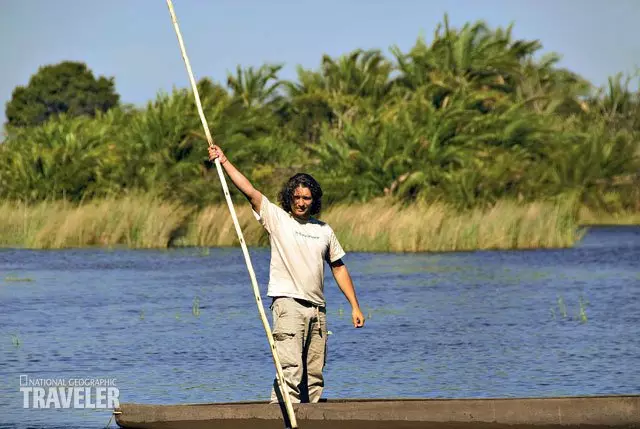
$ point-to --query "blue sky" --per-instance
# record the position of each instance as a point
(134, 40)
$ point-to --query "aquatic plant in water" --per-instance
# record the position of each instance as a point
(195, 307)
(18, 279)
(15, 340)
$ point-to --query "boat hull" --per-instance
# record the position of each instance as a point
(512, 413)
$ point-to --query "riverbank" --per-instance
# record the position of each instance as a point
(589, 217)
(146, 222)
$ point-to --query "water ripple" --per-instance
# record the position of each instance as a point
(471, 324)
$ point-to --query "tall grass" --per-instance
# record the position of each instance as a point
(380, 226)
(144, 221)
(141, 221)
(592, 217)
(213, 227)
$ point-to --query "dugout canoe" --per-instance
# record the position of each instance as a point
(492, 413)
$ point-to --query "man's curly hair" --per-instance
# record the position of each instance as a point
(285, 197)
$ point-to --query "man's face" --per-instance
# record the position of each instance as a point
(301, 203)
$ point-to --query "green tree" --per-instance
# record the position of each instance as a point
(255, 86)
(68, 87)
(470, 118)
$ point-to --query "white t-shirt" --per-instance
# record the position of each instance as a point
(298, 253)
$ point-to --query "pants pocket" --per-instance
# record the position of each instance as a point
(286, 334)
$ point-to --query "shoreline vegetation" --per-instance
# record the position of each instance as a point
(147, 221)
(470, 139)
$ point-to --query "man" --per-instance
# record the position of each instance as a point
(300, 245)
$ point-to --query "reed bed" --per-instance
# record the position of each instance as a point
(132, 221)
(144, 221)
(213, 227)
(591, 217)
(380, 226)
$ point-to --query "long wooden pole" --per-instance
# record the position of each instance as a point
(256, 290)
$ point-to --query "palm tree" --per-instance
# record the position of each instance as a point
(361, 73)
(617, 103)
(255, 86)
(552, 90)
(473, 55)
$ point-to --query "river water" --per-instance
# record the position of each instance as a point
(181, 325)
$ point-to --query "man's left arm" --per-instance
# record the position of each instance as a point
(343, 278)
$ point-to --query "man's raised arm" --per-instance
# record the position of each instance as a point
(242, 183)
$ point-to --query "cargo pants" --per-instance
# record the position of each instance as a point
(300, 336)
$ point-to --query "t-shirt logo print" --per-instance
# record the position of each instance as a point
(315, 237)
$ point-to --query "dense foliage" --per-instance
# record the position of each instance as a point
(470, 118)
(68, 87)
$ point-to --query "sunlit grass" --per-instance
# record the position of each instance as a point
(213, 227)
(591, 217)
(140, 221)
(381, 226)
(144, 221)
